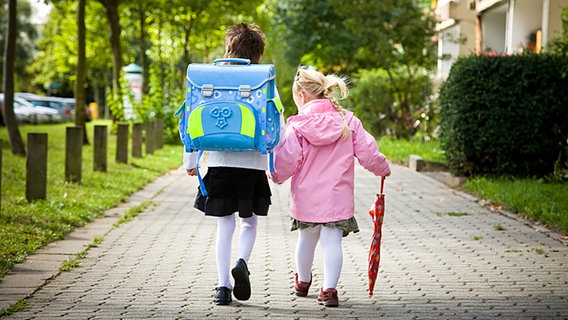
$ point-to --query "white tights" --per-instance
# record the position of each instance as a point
(332, 254)
(223, 245)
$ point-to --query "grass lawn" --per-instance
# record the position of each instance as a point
(536, 199)
(26, 227)
(399, 151)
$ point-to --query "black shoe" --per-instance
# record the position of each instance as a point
(242, 282)
(223, 296)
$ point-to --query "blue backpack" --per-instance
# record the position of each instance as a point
(230, 105)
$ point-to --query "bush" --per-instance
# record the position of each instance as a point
(372, 101)
(397, 106)
(505, 115)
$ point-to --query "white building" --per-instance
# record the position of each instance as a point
(499, 26)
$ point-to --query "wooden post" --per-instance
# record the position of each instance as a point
(122, 143)
(100, 149)
(150, 139)
(137, 140)
(159, 134)
(1, 173)
(36, 166)
(73, 153)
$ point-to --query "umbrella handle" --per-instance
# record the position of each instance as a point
(382, 184)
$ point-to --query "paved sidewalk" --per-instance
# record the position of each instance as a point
(443, 258)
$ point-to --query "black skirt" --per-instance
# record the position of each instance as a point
(231, 190)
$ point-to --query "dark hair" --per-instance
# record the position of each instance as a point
(245, 41)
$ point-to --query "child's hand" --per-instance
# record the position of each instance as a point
(192, 172)
(270, 178)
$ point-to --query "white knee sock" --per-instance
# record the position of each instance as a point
(247, 237)
(332, 256)
(225, 230)
(307, 241)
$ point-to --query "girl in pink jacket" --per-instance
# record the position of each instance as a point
(318, 152)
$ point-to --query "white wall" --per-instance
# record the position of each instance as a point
(527, 19)
(448, 45)
(493, 28)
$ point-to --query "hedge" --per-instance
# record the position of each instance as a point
(505, 115)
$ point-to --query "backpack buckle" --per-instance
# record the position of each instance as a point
(244, 91)
(207, 90)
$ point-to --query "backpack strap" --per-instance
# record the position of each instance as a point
(271, 161)
(278, 104)
(180, 110)
(201, 183)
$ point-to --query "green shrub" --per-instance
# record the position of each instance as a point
(505, 115)
(397, 105)
(372, 100)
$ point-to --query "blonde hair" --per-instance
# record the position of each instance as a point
(319, 86)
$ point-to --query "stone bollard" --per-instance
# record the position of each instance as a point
(122, 143)
(73, 153)
(100, 149)
(137, 140)
(36, 166)
(150, 137)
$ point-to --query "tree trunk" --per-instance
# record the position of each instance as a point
(16, 142)
(81, 82)
(111, 10)
(143, 60)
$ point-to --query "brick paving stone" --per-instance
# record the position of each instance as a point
(442, 258)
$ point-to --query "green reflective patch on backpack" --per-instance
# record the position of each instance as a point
(248, 122)
(195, 127)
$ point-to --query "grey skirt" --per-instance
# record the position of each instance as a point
(347, 226)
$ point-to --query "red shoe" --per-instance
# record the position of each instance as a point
(328, 297)
(301, 288)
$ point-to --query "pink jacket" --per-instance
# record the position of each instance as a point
(321, 163)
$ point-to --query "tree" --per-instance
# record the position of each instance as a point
(16, 142)
(56, 53)
(314, 33)
(155, 31)
(27, 34)
(347, 36)
(81, 81)
(398, 39)
(113, 18)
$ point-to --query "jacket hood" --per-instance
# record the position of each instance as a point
(319, 122)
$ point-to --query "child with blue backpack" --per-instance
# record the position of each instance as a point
(236, 182)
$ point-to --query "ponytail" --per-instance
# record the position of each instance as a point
(318, 86)
(331, 83)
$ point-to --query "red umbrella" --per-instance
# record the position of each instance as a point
(377, 212)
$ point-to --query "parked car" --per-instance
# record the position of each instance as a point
(23, 113)
(26, 112)
(65, 112)
(70, 102)
(41, 114)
